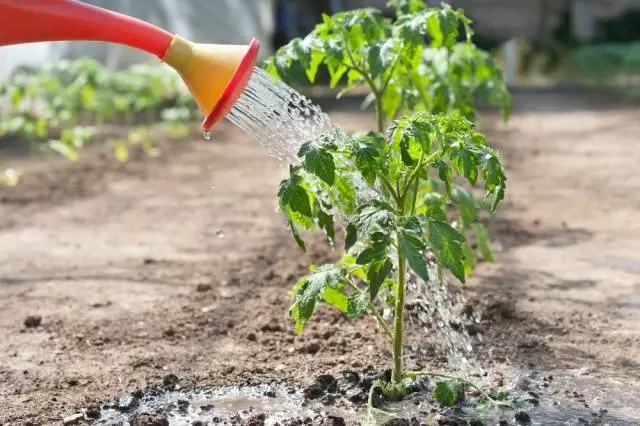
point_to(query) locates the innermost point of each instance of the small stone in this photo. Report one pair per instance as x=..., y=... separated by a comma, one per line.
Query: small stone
x=73, y=420
x=148, y=419
x=356, y=395
x=33, y=321
x=127, y=402
x=255, y=420
x=252, y=337
x=523, y=418
x=202, y=288
x=270, y=393
x=170, y=381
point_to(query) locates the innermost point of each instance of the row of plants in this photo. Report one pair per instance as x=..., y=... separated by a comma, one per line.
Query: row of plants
x=602, y=62
x=403, y=190
x=63, y=106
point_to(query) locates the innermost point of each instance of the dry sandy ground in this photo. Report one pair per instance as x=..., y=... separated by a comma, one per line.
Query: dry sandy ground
x=125, y=265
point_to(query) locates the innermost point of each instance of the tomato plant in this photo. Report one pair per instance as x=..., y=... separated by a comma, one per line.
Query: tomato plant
x=64, y=105
x=396, y=189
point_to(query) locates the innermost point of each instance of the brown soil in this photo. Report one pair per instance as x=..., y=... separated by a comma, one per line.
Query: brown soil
x=126, y=268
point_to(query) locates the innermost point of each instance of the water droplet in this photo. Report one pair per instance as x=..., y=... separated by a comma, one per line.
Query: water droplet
x=206, y=136
x=220, y=233
x=213, y=187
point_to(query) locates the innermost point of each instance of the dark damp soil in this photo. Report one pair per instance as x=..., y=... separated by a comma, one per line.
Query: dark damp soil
x=113, y=277
x=341, y=400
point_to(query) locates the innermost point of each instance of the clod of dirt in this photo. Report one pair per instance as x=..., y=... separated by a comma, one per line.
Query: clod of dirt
x=397, y=422
x=272, y=327
x=447, y=418
x=476, y=422
x=255, y=420
x=334, y=421
x=92, y=412
x=127, y=402
x=202, y=288
x=73, y=420
x=170, y=381
x=148, y=419
x=310, y=348
x=323, y=383
x=523, y=418
x=33, y=321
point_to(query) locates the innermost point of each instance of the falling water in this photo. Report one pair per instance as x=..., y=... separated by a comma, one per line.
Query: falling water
x=279, y=117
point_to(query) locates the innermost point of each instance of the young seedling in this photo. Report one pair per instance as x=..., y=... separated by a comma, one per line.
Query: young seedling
x=394, y=189
x=392, y=219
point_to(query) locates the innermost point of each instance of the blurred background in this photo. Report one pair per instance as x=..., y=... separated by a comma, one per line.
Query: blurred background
x=535, y=39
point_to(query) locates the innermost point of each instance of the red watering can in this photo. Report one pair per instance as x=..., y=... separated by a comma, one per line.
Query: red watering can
x=215, y=74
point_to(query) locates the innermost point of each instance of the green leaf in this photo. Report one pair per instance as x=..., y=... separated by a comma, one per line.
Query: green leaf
x=447, y=246
x=294, y=197
x=358, y=304
x=319, y=161
x=325, y=221
x=371, y=217
x=467, y=205
x=296, y=235
x=412, y=244
x=444, y=173
x=66, y=150
x=483, y=241
x=377, y=251
x=351, y=237
x=336, y=298
x=368, y=156
x=470, y=259
x=448, y=392
x=377, y=274
x=309, y=290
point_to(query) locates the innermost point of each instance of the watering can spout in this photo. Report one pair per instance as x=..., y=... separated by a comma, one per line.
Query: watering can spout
x=215, y=74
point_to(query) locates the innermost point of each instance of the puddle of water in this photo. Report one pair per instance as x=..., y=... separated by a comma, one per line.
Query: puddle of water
x=563, y=398
x=222, y=406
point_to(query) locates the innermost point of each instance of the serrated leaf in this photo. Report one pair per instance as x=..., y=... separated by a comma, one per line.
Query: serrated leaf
x=448, y=392
x=444, y=173
x=325, y=221
x=310, y=289
x=368, y=157
x=336, y=298
x=377, y=274
x=358, y=304
x=412, y=244
x=447, y=246
x=294, y=197
x=319, y=161
x=483, y=241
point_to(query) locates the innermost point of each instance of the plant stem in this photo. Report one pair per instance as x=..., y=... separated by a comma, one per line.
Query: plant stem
x=397, y=371
x=381, y=320
x=380, y=112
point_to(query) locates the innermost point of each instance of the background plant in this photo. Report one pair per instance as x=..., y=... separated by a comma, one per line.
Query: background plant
x=394, y=189
x=65, y=105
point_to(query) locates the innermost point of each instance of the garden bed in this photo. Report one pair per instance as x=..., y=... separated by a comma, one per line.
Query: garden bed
x=125, y=265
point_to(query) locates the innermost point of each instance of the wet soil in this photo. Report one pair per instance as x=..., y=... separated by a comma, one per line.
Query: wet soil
x=114, y=277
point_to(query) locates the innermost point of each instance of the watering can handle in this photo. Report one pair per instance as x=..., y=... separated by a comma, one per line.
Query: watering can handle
x=28, y=21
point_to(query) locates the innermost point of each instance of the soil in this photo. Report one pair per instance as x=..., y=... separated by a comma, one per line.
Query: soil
x=123, y=277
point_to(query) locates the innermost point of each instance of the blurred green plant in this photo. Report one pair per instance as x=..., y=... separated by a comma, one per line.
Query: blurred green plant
x=602, y=62
x=63, y=106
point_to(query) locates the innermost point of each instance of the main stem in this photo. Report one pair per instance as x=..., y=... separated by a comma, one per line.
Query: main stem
x=398, y=371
